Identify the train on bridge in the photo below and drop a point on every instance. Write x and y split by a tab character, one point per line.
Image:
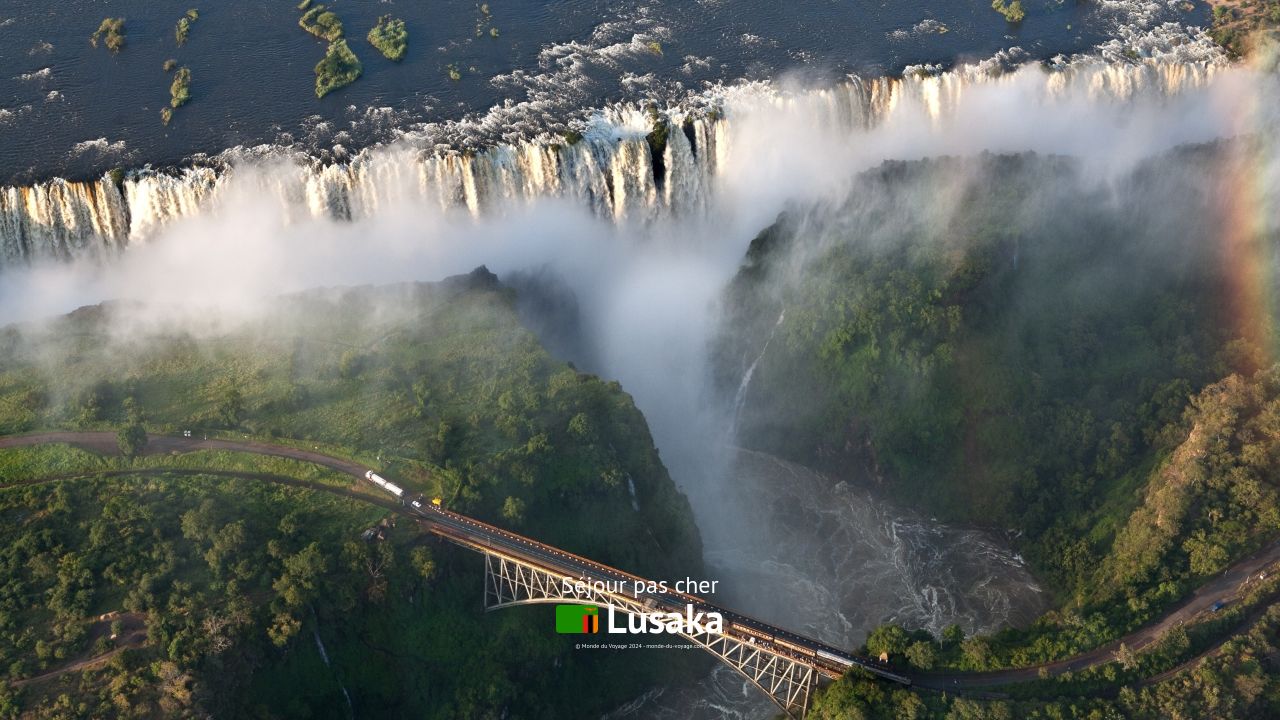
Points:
481	536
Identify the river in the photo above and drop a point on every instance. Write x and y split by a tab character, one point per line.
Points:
644	239
68	108
831	560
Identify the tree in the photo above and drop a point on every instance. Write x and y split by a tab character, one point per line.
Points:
199	522
953	634
1126	657
1206	556
977	653
94	403
890	639
922	654
513	510
132	439
231	407
301	577
580	427
422	561
283	628
227	544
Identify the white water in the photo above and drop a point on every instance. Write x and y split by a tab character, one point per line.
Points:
611	171
740	398
646	265
631	489
831	561
324	655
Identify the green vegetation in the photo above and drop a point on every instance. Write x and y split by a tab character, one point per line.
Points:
183	28
390	37
996	362
454	74
657	139
339	68
1012	11
132	439
322	23
111	32
658	136
304	4
1239	27
170	64
1236	682
180	88
176	561
222	586
166	115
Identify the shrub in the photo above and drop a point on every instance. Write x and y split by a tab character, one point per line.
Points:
339	68
321	23
390	37
1012	12
180	90
183	29
111	32
132	439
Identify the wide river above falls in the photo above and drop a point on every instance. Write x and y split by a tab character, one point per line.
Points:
72	109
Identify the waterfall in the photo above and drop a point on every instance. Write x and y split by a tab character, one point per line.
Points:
631	488
351	711
609	169
740	398
61	219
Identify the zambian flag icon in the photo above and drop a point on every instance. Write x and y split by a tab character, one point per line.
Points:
577	619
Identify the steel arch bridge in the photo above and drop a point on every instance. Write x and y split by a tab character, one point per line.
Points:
522	571
787	681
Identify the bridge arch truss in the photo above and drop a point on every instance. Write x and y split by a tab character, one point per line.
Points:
787	681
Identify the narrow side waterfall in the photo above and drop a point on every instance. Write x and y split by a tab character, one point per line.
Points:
613	168
740	398
324	655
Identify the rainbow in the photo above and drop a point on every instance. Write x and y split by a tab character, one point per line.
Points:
1245	189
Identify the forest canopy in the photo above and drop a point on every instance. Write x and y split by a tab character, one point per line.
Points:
203	594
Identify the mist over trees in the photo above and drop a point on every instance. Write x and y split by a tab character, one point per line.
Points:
1011	341
223	587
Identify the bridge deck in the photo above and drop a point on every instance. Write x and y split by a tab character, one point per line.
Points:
474	534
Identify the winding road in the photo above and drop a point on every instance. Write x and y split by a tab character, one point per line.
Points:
1225	587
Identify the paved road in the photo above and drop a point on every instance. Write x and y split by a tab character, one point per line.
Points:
1225	586
460	528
